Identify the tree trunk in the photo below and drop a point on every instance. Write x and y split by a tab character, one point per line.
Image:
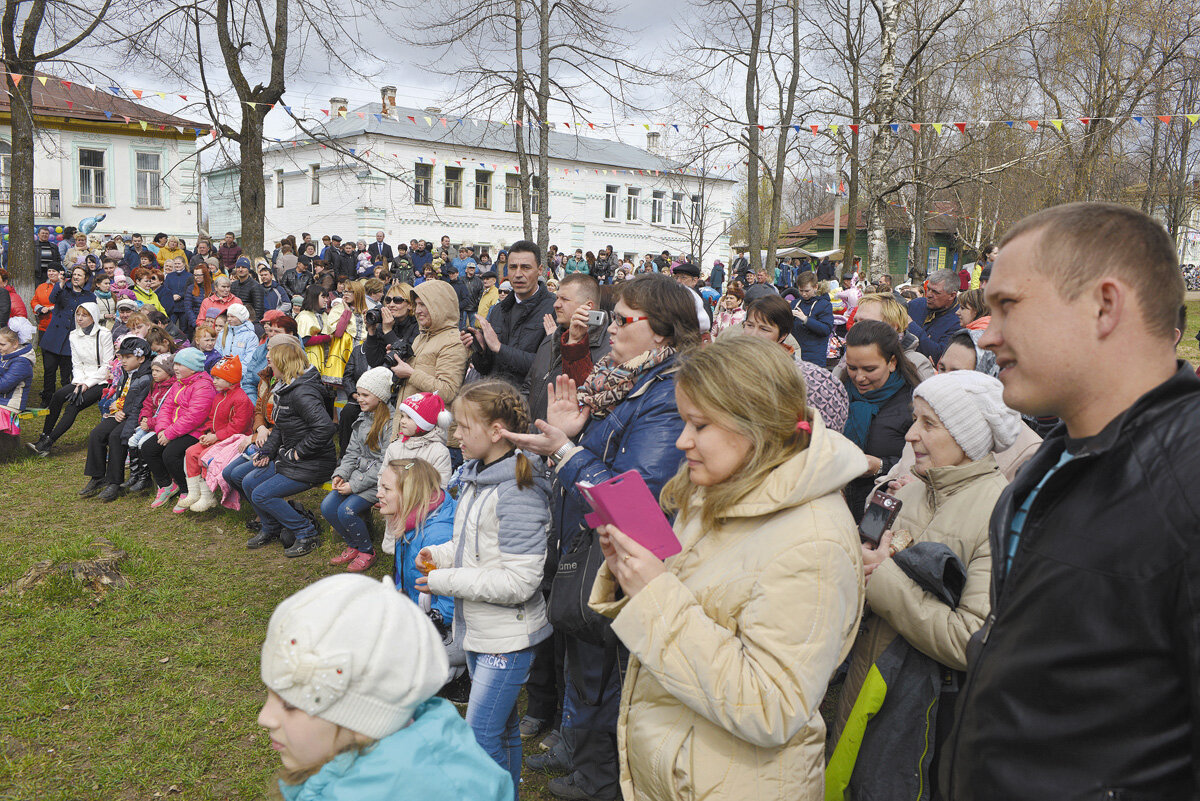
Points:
851	204
543	101
22	267
885	105
252	188
753	207
519	79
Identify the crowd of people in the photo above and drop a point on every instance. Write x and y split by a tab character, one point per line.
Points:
1020	626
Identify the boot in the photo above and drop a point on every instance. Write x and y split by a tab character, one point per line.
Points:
42	446
93	486
110	493
184	502
144	481
262	538
206	500
135	466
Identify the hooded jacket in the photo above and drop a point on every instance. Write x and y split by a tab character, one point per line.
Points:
361	463
215	301
185	410
732	648
493	565
301	443
239	340
437	529
140	385
813	334
91	352
439	359
16	378
520	329
430	446
232	413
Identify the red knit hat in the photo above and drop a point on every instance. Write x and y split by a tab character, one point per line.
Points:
427	410
229	368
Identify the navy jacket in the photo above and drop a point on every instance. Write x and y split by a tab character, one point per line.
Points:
177	283
813	333
934	335
16	370
521	330
56	338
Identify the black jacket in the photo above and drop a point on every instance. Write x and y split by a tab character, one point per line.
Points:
400	339
520	329
378	250
547	366
341	263
885	441
296	281
301	443
250	293
47	257
140	384
1084	681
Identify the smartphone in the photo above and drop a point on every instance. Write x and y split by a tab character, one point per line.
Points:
597	317
881	514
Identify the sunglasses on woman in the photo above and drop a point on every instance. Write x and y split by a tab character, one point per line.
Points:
395	299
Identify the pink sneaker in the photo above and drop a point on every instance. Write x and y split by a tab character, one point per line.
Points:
344	557
361	562
164	494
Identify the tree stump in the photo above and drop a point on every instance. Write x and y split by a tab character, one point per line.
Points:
99	574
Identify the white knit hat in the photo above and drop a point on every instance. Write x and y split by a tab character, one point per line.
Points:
972	409
238	312
355	652
377	381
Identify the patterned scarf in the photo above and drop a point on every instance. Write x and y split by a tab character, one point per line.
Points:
610	382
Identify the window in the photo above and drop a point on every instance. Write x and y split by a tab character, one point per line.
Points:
314	177
279	189
512	192
696	208
677	208
149	179
631	203
610	201
483	190
5	172
91	176
422	177
656	206
535	192
453	193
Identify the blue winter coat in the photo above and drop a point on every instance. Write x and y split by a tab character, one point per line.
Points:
251	366
62	322
176	283
16	378
934	336
438	528
813	333
435	758
238	340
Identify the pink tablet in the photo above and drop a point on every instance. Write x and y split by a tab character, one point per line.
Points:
626	502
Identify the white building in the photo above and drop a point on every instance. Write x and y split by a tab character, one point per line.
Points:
426	175
93	156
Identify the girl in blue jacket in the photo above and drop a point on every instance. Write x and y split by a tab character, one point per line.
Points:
412	500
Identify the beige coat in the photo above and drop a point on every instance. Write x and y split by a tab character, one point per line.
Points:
439	359
952	505
732	649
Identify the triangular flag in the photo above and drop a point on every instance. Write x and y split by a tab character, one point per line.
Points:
108	114
761	128
137	93
1057	124
142	123
1033	124
854	128
251	103
126	119
814	128
592	125
676	127
1138	120
161	95
1085	120
66	84
1009	123
1165	117
341	112
433	161
288	109
795	128
361	115
1192	118
352	153
378	117
567	124
71	104
833	128
937	128
412	120
647	126
325	111
442	120
43	80
16	79
895	126
429	121
916	126
116	90
962	127
183	97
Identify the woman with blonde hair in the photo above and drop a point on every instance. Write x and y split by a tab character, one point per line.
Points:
973	310
733	640
346	326
173	250
886	309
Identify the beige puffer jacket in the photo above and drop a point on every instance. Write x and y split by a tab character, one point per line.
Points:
950	505
439	359
732	649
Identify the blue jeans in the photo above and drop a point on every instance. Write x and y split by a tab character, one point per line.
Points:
496	681
268	492
345	514
237	470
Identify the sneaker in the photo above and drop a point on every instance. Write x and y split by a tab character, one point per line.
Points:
551	741
41	447
93	486
164	494
345	556
565	787
549	762
261	539
301	547
109	494
532	727
361	562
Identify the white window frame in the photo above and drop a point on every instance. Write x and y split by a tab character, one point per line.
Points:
452	194
697	209
279	189
658	199
422	184
677	208
633	197
314	177
483	186
512	192
102	175
161	186
612	205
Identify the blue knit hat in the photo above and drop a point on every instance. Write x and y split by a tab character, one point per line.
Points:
191	358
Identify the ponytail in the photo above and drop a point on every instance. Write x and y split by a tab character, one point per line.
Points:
524	471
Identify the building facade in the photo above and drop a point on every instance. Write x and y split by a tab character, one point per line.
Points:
93	155
416	174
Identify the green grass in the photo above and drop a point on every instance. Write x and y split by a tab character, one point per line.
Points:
154	689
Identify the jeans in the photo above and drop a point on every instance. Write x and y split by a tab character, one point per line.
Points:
496	681
267	492
345	514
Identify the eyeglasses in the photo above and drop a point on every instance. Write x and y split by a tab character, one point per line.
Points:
623	321
395	299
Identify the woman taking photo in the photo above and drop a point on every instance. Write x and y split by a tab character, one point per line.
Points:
880	381
959	422
733	640
622	418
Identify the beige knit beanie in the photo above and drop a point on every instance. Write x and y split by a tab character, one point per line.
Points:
971	407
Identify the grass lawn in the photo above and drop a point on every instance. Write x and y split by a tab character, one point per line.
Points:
154	690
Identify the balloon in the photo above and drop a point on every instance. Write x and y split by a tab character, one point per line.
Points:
88	224
4	229
58	229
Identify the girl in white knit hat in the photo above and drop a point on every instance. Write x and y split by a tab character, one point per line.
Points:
351	668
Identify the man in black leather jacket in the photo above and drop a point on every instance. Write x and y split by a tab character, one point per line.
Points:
1084	681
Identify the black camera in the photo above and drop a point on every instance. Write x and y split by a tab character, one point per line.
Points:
391	357
373	317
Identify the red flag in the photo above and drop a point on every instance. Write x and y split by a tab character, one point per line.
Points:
761	128
413	120
325	111
961	126
1085	120
16	79
1165	117
592	125
71	105
1033	124
66	84
183	97
916	126
854	128
137	93
814	127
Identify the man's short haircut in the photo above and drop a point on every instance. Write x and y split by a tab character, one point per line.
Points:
1082	242
945	279
589	287
806	279
525	246
772	310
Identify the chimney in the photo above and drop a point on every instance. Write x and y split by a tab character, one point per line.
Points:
652	142
388	98
337	104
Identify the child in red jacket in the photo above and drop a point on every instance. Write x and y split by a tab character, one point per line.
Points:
231	416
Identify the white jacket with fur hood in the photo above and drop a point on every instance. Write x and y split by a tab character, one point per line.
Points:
91	352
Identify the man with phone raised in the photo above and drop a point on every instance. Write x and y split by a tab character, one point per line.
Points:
1084	681
569	327
503	345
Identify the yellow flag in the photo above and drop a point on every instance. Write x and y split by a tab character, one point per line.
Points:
162	95
142	123
42	79
1057	124
833	128
1192	118
428	120
937	126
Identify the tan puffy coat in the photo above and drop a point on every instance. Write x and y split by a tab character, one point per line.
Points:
732	649
951	505
439	359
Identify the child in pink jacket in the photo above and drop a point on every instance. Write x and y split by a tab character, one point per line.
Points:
179	424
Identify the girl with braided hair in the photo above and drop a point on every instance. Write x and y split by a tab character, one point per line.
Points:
493	564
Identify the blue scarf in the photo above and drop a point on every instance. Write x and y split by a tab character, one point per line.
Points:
864	407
